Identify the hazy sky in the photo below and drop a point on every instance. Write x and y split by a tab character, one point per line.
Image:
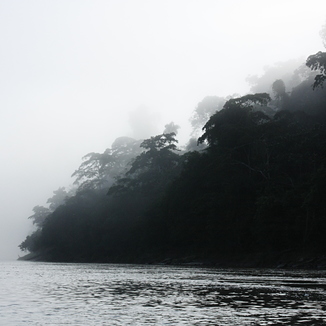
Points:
76	74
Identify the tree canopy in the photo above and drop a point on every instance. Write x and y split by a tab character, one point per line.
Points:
317	62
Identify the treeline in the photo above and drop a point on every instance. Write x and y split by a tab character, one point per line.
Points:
254	181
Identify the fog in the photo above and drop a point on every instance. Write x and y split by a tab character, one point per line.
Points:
75	75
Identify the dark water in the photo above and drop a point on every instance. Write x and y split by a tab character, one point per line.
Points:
94	294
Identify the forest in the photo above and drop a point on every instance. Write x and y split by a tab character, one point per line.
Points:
250	182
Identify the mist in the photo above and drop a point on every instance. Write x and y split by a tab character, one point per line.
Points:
76	75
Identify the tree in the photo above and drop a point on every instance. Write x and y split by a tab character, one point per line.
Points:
31	243
153	167
59	197
281	96
290	72
171	127
93	172
279	88
248	101
39	216
317	62
157	153
204	110
237	112
99	170
305	98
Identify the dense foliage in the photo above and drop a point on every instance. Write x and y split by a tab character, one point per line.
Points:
256	185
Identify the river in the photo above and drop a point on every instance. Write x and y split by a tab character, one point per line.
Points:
34	293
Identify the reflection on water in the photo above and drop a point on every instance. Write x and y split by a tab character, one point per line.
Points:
94	294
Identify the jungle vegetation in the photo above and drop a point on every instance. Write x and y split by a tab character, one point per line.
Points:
251	179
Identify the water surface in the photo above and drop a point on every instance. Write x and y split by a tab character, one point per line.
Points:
33	293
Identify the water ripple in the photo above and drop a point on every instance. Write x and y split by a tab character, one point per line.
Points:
95	294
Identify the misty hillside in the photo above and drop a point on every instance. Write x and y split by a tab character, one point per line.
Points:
251	180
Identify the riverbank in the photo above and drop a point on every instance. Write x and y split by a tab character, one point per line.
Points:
275	260
284	260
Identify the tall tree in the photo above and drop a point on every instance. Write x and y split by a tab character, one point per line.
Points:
99	170
153	167
39	216
204	110
317	62
282	98
59	197
237	112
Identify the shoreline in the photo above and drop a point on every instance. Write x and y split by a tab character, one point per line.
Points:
276	260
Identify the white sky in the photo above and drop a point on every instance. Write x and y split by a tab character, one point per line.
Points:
72	70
